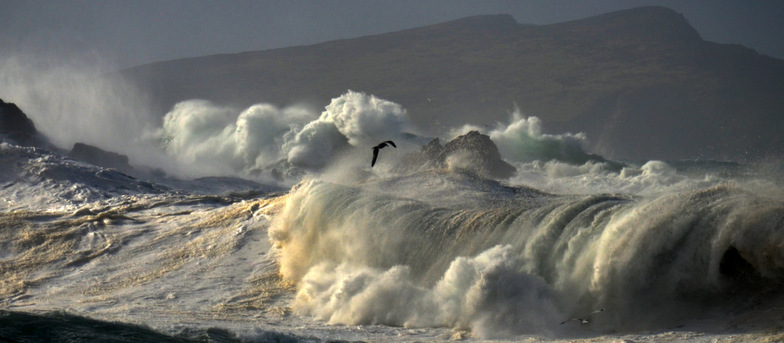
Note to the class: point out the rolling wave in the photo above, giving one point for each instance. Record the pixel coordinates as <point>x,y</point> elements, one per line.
<point>455,250</point>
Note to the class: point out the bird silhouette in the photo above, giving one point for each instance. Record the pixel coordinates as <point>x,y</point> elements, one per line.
<point>379,147</point>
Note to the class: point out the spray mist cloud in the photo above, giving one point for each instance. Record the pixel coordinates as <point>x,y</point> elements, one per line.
<point>221,140</point>
<point>70,103</point>
<point>358,119</point>
<point>522,140</point>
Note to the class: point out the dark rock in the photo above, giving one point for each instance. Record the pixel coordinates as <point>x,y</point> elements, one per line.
<point>481,153</point>
<point>429,156</point>
<point>99,157</point>
<point>16,127</point>
<point>433,149</point>
<point>472,151</point>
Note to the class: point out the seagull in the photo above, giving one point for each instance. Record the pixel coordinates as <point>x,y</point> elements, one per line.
<point>585,320</point>
<point>379,147</point>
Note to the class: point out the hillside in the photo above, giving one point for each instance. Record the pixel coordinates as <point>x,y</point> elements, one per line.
<point>640,83</point>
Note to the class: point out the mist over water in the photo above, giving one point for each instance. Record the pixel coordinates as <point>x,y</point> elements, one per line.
<point>77,103</point>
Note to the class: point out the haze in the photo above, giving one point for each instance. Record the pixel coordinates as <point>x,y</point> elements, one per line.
<point>121,34</point>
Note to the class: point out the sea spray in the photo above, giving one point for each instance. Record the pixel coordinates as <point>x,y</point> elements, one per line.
<point>523,140</point>
<point>72,103</point>
<point>223,140</point>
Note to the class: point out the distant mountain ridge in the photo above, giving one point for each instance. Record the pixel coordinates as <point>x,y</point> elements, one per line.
<point>641,83</point>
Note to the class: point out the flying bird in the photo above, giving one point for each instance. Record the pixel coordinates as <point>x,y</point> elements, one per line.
<point>585,320</point>
<point>379,147</point>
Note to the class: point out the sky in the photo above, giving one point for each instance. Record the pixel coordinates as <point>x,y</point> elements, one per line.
<point>121,34</point>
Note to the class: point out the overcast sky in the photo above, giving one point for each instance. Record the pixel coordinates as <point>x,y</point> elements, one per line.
<point>127,33</point>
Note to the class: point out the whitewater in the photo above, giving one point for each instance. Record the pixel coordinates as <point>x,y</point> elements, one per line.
<point>268,224</point>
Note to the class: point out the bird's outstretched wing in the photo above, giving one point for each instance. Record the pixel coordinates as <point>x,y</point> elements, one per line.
<point>379,147</point>
<point>569,320</point>
<point>375,156</point>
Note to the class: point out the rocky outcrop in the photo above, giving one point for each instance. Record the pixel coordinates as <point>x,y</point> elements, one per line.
<point>17,128</point>
<point>99,157</point>
<point>473,151</point>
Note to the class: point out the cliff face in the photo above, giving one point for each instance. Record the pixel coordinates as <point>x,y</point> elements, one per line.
<point>640,83</point>
<point>643,24</point>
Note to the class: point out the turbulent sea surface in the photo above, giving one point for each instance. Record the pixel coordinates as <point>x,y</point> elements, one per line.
<point>333,250</point>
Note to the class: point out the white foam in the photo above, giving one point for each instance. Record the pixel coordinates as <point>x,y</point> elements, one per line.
<point>486,294</point>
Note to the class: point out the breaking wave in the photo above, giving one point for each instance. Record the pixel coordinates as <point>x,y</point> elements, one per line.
<point>435,249</point>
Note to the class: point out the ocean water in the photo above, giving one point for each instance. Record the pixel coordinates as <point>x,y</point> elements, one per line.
<point>268,224</point>
<point>648,253</point>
